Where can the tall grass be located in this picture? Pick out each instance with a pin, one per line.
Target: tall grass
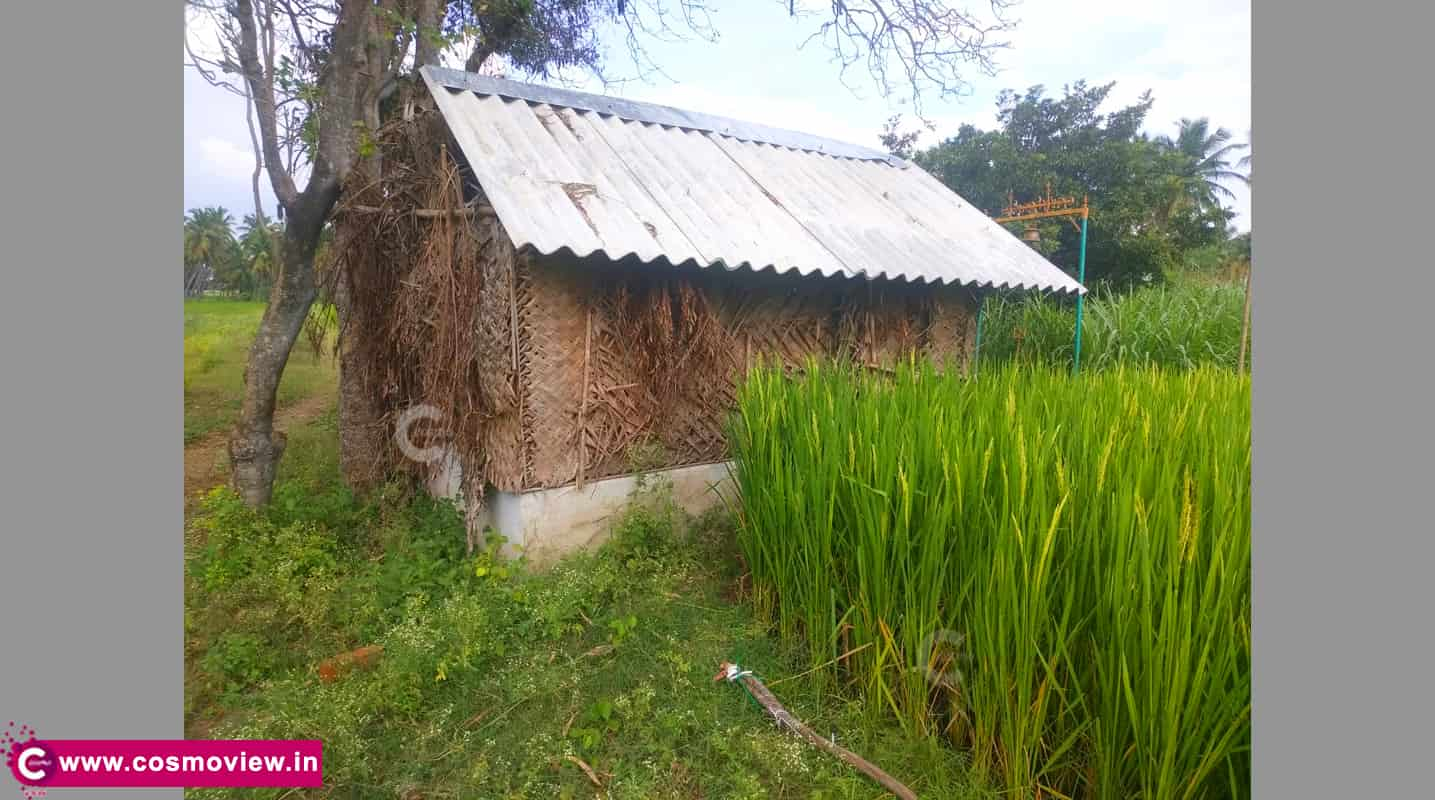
(1182, 324)
(1051, 572)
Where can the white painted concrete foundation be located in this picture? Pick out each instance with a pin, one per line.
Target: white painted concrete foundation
(546, 524)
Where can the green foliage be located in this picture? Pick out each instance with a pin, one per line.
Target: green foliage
(1051, 572)
(646, 532)
(270, 587)
(598, 722)
(237, 660)
(645, 454)
(1141, 189)
(488, 682)
(1207, 161)
(1181, 324)
(620, 628)
(1217, 261)
(538, 39)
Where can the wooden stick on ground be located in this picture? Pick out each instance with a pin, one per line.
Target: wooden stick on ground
(732, 672)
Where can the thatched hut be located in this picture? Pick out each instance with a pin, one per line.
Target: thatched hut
(574, 283)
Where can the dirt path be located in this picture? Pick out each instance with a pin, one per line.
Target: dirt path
(204, 458)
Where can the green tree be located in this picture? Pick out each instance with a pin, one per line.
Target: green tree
(1245, 162)
(209, 247)
(258, 247)
(1139, 222)
(1207, 160)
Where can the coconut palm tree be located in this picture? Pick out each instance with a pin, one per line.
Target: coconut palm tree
(258, 246)
(208, 242)
(1208, 160)
(1245, 162)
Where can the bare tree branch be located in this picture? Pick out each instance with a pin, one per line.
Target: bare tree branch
(258, 151)
(296, 28)
(261, 89)
(927, 44)
(208, 68)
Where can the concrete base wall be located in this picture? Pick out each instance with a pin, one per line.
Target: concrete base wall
(546, 524)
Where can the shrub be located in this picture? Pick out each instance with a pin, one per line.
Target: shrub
(308, 577)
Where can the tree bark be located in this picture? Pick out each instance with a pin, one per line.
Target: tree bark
(428, 14)
(362, 434)
(255, 447)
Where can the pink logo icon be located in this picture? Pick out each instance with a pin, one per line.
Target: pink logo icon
(30, 760)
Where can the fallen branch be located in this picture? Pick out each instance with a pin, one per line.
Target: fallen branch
(587, 770)
(733, 673)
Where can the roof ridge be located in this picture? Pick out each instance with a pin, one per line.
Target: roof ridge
(656, 114)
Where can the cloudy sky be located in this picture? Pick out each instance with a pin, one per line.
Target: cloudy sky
(1195, 60)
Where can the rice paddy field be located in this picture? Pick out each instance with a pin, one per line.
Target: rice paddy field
(217, 335)
(1050, 573)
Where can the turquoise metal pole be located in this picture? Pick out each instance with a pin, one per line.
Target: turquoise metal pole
(1080, 278)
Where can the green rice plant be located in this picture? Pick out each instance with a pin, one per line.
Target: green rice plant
(1051, 572)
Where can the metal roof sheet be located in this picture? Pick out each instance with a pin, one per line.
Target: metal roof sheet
(594, 174)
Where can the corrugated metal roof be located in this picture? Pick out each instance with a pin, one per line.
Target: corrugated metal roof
(599, 175)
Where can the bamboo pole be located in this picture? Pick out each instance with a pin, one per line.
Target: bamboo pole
(1245, 324)
(583, 401)
(422, 213)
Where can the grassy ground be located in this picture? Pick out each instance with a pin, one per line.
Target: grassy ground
(217, 334)
(495, 682)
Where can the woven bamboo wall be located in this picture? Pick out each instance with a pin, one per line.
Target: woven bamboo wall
(624, 366)
(502, 446)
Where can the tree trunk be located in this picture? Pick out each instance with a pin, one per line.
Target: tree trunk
(255, 447)
(362, 434)
(361, 430)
